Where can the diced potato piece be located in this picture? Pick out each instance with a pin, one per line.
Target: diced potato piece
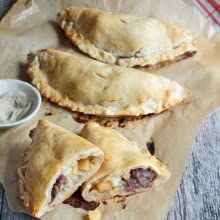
(83, 164)
(75, 168)
(126, 176)
(94, 215)
(103, 186)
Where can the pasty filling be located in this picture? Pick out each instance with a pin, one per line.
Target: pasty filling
(77, 201)
(71, 176)
(139, 178)
(58, 186)
(134, 180)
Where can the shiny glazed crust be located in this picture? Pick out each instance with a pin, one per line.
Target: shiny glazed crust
(121, 156)
(91, 87)
(123, 39)
(53, 150)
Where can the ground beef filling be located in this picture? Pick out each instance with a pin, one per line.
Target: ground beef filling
(77, 201)
(58, 186)
(139, 178)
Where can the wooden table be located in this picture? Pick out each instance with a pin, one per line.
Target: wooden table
(198, 197)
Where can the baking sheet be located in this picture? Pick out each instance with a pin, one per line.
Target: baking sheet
(30, 25)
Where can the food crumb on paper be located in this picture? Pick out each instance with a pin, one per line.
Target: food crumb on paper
(93, 215)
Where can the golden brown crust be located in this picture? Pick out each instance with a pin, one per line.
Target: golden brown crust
(124, 39)
(53, 151)
(91, 87)
(121, 156)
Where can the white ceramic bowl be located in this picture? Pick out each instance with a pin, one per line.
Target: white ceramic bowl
(29, 90)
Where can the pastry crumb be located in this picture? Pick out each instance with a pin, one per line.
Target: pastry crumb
(93, 215)
(124, 206)
(52, 112)
(121, 199)
(104, 202)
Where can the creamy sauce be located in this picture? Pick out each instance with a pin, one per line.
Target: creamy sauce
(14, 105)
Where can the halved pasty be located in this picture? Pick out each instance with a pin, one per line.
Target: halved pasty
(125, 170)
(57, 163)
(91, 87)
(126, 40)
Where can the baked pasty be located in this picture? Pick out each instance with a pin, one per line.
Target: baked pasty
(57, 163)
(126, 40)
(91, 87)
(125, 170)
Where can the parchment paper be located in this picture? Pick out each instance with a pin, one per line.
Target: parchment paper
(30, 25)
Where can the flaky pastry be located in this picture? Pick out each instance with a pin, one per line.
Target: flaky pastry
(57, 163)
(126, 40)
(92, 87)
(126, 169)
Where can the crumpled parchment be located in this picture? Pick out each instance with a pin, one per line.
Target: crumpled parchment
(31, 25)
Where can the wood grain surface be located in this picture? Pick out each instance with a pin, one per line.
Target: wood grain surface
(198, 197)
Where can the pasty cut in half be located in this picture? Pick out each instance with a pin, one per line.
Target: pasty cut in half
(126, 40)
(57, 163)
(125, 170)
(92, 87)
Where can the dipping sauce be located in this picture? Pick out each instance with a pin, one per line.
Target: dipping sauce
(14, 105)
